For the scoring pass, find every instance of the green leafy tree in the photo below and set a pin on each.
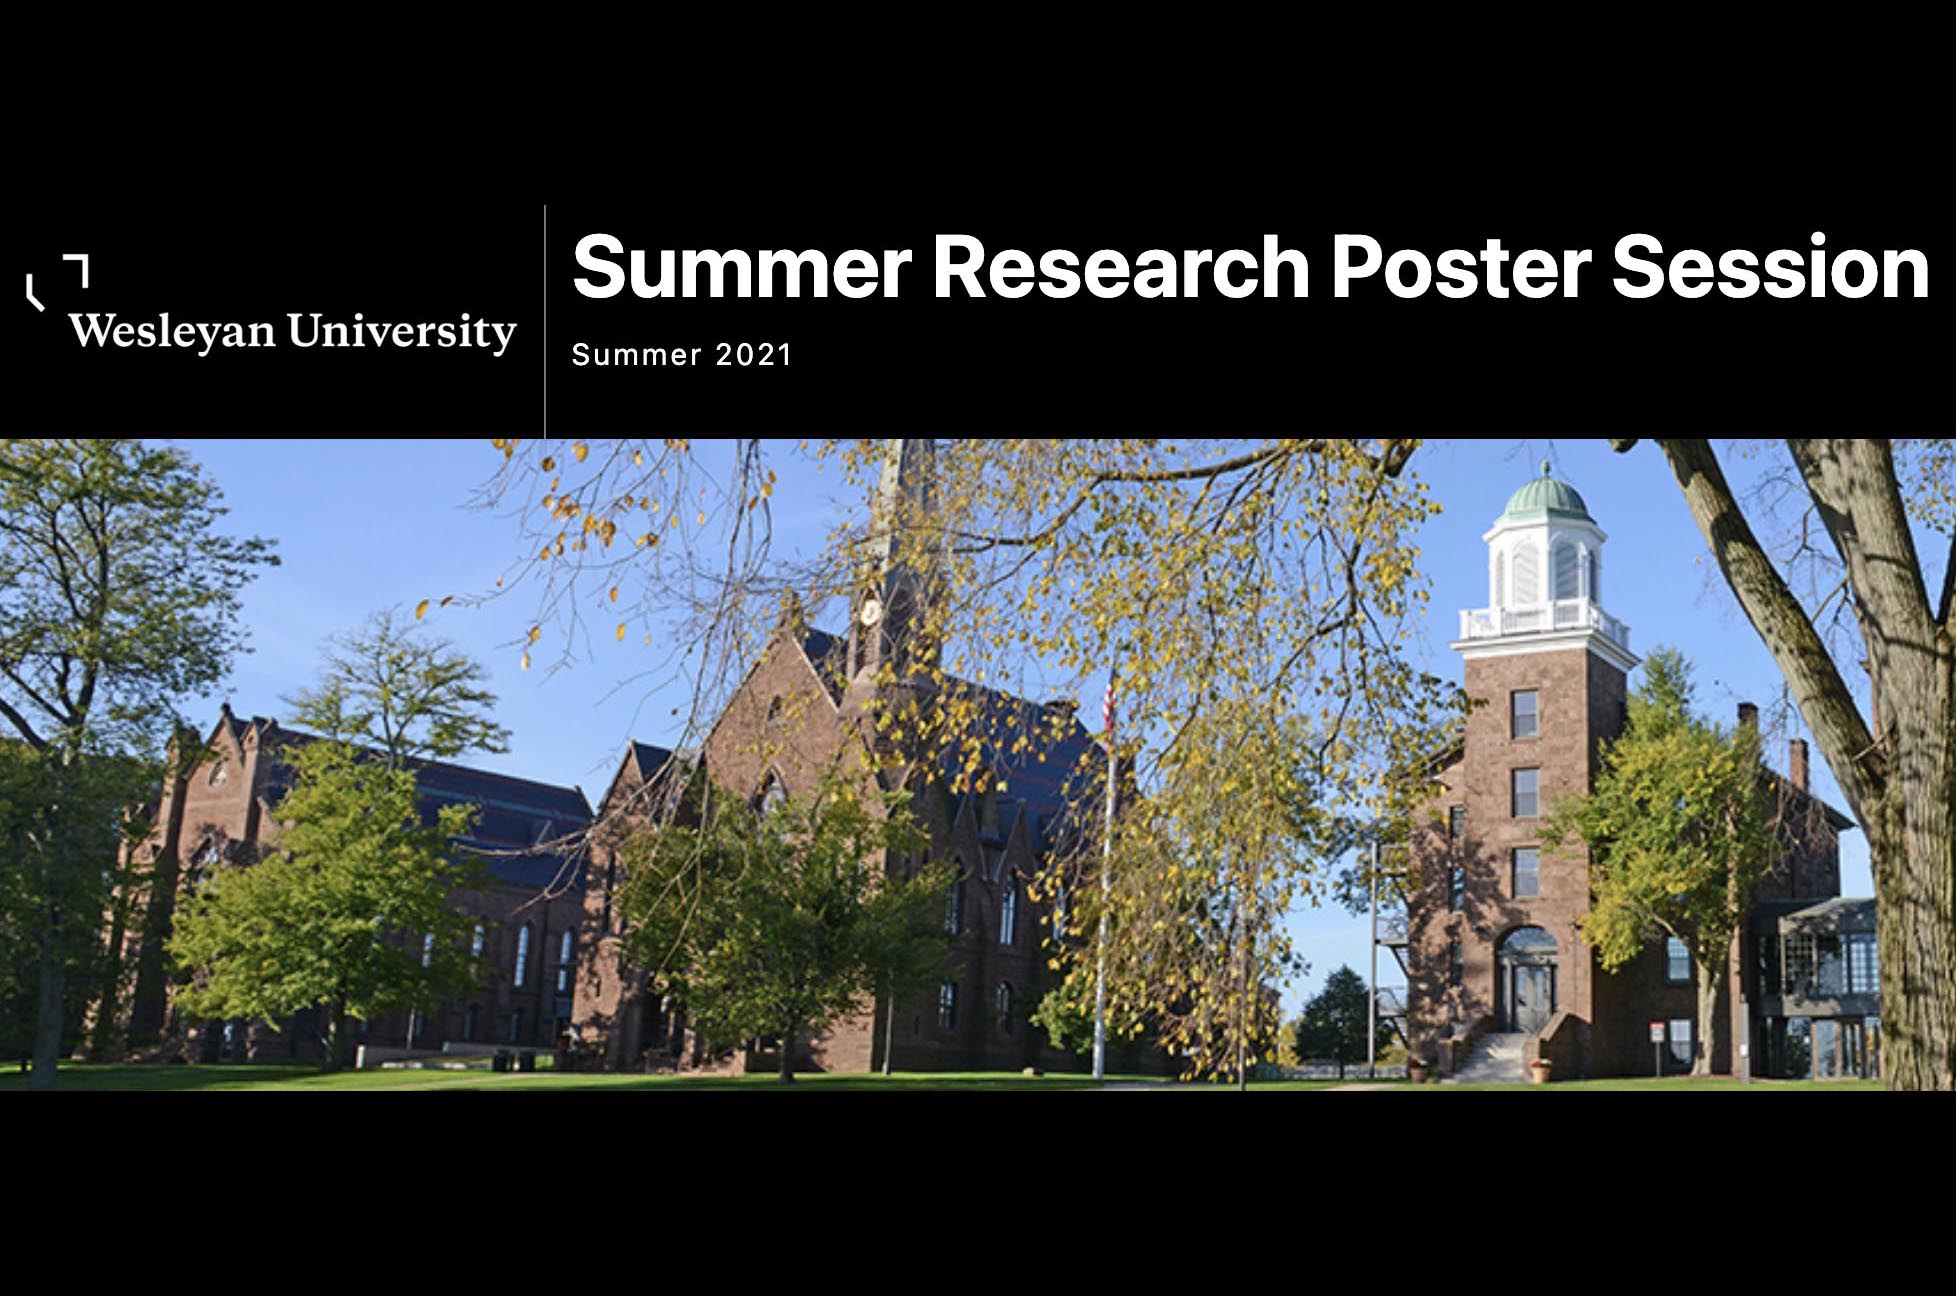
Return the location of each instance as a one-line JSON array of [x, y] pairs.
[[779, 924], [1679, 831], [389, 688], [118, 599], [1334, 1025], [350, 914]]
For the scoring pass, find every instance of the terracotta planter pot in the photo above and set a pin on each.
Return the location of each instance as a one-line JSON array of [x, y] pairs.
[[1540, 1072], [1420, 1075]]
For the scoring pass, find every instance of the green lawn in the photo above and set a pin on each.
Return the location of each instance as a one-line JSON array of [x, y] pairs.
[[92, 1079], [250, 1079]]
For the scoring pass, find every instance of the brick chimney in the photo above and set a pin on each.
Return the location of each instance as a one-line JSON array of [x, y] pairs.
[[1800, 766], [1749, 716]]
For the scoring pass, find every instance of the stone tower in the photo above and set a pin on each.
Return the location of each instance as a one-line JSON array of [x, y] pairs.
[[892, 592], [1494, 924]]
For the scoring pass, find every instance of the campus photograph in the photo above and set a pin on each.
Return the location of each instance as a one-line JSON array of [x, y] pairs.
[[959, 765]]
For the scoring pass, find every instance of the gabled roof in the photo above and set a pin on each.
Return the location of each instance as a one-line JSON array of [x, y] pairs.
[[1838, 820]]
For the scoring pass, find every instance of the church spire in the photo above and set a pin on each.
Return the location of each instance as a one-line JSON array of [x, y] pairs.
[[906, 491]]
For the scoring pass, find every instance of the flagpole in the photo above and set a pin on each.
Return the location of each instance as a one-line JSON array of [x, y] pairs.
[[1106, 891]]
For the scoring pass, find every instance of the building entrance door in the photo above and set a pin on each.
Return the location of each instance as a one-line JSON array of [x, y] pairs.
[[1528, 981], [1534, 999]]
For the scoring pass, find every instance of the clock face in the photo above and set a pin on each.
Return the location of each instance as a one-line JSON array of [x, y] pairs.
[[872, 613]]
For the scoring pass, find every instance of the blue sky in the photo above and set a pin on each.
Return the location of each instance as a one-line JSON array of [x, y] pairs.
[[363, 525]]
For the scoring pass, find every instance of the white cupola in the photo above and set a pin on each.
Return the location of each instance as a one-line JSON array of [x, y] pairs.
[[1545, 579]]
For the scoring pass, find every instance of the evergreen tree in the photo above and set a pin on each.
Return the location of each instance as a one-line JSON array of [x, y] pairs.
[[1334, 1024]]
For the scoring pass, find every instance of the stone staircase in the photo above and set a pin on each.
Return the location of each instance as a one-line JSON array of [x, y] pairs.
[[1498, 1059]]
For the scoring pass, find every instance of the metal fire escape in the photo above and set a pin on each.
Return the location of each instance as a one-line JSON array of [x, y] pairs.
[[1391, 931]]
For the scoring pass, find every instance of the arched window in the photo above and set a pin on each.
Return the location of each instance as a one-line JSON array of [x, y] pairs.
[[774, 797], [566, 956], [1528, 575], [1008, 915], [523, 940], [1568, 572]]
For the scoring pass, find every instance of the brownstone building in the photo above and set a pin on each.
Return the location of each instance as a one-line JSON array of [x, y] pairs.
[[808, 707], [224, 814], [1498, 971]]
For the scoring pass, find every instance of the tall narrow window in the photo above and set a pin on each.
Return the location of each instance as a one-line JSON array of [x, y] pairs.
[[428, 950], [947, 1008], [566, 957], [1059, 914], [516, 1027], [1528, 874], [1528, 794], [1500, 580], [1008, 917], [954, 909], [472, 1024], [479, 942], [1457, 825], [1863, 964], [523, 957], [1677, 956], [1456, 889], [1528, 714], [1003, 1005], [1456, 964]]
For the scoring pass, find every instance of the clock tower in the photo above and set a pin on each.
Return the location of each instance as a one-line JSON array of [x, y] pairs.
[[888, 622]]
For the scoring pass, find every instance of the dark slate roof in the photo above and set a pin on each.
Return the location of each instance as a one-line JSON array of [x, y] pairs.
[[829, 654], [1044, 792], [649, 760], [515, 816]]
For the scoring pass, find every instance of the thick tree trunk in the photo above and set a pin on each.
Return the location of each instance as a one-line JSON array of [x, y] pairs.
[[1899, 773], [339, 1040], [49, 1022], [1713, 980], [1913, 870]]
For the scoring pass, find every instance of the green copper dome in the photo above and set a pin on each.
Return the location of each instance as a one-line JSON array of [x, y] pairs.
[[1546, 495]]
